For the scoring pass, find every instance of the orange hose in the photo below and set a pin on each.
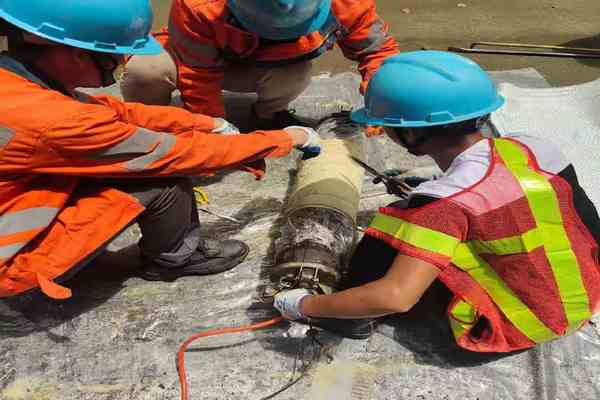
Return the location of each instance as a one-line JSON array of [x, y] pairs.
[[214, 332]]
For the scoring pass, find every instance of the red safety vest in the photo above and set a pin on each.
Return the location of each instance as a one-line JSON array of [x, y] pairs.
[[512, 249]]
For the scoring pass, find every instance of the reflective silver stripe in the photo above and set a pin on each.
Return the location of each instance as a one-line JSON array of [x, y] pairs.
[[6, 135], [26, 220], [166, 143], [145, 145], [204, 55], [138, 143], [376, 38], [10, 250]]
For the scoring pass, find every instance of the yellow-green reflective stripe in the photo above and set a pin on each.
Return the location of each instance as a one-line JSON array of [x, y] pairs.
[[551, 232], [518, 244], [415, 235], [509, 303], [463, 312]]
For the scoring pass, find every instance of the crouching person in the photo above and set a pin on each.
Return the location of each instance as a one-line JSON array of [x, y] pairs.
[[76, 170], [507, 228]]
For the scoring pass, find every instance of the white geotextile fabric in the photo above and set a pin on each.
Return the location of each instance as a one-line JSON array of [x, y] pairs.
[[568, 116], [116, 339]]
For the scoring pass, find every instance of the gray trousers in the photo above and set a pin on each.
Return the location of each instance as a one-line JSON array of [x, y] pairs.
[[170, 225]]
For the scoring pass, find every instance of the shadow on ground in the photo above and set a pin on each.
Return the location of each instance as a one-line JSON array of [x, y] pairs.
[[592, 42], [426, 333], [92, 287]]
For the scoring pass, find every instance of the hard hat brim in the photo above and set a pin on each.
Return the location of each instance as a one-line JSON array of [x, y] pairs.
[[149, 47], [264, 30], [362, 116]]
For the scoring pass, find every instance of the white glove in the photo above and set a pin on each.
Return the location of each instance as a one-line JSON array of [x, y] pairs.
[[312, 147], [225, 127], [288, 303]]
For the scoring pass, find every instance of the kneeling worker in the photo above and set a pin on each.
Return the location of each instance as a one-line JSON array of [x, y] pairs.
[[507, 228], [261, 46], [76, 170]]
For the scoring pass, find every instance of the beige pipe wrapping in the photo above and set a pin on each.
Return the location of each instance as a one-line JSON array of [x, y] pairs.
[[332, 180]]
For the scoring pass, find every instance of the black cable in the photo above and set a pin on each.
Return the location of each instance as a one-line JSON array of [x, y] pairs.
[[315, 356]]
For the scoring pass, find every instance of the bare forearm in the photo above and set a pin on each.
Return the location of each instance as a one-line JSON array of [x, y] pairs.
[[398, 291], [368, 301]]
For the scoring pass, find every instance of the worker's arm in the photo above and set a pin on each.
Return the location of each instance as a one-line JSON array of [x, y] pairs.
[[425, 237], [399, 290], [367, 39], [157, 118], [91, 140], [200, 66]]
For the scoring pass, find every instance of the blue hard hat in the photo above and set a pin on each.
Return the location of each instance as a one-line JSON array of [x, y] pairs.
[[427, 88], [281, 19], [110, 26]]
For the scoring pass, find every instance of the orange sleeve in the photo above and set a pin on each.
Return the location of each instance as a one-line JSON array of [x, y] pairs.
[[157, 118], [199, 63], [367, 39], [93, 141]]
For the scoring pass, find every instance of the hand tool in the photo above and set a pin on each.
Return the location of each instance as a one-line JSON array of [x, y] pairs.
[[394, 186]]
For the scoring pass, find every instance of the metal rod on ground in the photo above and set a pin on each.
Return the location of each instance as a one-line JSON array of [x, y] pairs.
[[204, 210], [523, 53], [536, 46], [571, 52]]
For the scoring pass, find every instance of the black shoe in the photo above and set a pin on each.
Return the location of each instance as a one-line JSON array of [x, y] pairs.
[[280, 120], [212, 257], [358, 329]]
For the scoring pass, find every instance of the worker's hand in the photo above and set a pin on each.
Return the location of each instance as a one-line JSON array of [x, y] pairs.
[[412, 177], [390, 173], [306, 140], [289, 303], [225, 127]]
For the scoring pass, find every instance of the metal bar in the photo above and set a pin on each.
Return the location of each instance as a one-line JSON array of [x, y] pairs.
[[536, 46], [204, 210], [524, 53]]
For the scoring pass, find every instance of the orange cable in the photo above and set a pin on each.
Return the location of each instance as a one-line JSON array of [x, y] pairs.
[[214, 332]]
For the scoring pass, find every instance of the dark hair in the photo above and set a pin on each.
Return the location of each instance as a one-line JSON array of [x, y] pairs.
[[457, 129], [449, 130]]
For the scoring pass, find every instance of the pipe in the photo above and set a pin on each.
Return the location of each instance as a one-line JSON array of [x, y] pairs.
[[320, 213]]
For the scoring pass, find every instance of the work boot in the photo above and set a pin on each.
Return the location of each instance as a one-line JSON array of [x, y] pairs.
[[358, 329], [279, 120], [211, 257]]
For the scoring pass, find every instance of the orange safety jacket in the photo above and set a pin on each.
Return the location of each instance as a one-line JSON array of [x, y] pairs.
[[202, 39], [522, 265], [48, 141]]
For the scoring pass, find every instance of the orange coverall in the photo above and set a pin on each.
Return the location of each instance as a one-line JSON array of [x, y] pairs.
[[49, 141], [202, 38]]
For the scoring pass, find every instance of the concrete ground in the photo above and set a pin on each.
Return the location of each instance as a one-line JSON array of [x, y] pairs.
[[438, 24], [117, 337]]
